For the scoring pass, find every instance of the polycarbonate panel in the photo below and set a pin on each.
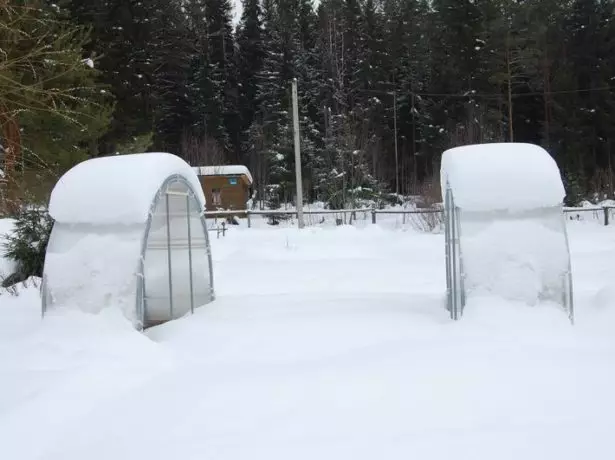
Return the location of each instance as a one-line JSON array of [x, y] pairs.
[[201, 258], [521, 256], [180, 269], [156, 268], [92, 267]]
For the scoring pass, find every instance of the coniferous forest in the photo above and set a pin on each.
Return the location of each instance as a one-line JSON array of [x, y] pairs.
[[385, 86]]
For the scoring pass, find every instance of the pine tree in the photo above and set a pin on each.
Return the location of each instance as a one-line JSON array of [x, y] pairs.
[[384, 85], [506, 54], [585, 135], [205, 87], [272, 118], [223, 72], [120, 45], [27, 245], [169, 53], [51, 106], [250, 63], [411, 73], [307, 70], [458, 27]]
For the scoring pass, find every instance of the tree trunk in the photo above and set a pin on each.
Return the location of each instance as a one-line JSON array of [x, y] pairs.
[[547, 107], [415, 165], [608, 152], [511, 137], [11, 137]]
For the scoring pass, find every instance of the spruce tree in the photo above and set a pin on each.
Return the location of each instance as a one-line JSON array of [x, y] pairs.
[[205, 87], [250, 62], [52, 108], [121, 37], [456, 43], [223, 72], [169, 54]]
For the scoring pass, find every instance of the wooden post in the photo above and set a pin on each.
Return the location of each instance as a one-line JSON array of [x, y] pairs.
[[395, 131], [298, 178]]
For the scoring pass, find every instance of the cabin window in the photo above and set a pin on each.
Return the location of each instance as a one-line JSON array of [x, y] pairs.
[[216, 197], [232, 180]]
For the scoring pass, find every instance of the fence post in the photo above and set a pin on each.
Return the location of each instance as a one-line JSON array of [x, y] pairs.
[[373, 215], [606, 215], [249, 220]]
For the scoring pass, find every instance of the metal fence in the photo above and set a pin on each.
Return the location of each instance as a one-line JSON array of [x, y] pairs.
[[429, 217], [345, 216], [603, 213]]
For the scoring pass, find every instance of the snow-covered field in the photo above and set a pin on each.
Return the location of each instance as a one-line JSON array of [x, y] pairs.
[[323, 344]]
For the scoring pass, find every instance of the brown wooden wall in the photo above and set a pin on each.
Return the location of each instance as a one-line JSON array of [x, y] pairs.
[[234, 197]]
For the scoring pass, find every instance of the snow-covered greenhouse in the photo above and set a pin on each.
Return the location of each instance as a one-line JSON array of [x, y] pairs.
[[505, 226], [129, 233]]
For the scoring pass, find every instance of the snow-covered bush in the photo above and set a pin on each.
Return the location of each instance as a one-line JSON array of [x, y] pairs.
[[574, 189], [28, 243], [427, 221]]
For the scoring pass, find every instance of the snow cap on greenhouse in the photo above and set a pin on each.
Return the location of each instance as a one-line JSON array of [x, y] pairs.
[[501, 176], [117, 189]]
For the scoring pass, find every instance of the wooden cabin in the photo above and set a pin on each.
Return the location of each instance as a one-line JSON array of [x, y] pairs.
[[226, 187]]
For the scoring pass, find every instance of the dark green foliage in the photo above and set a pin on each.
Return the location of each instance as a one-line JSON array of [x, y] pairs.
[[28, 243], [47, 85], [170, 57], [574, 190], [397, 81], [250, 63], [121, 44]]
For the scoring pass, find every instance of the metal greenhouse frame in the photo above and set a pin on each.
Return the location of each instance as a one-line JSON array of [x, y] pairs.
[[454, 271], [455, 274], [164, 194], [554, 282], [167, 271]]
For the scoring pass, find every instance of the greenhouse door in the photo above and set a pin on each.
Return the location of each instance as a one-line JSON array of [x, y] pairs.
[[168, 267]]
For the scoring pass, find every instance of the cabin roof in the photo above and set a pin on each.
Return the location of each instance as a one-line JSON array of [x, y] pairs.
[[223, 170]]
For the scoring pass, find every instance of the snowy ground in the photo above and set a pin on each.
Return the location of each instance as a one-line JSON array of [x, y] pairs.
[[323, 344]]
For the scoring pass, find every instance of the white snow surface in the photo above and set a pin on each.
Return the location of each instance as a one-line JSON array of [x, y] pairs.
[[117, 189], [511, 176], [223, 170], [323, 344], [91, 270], [520, 260]]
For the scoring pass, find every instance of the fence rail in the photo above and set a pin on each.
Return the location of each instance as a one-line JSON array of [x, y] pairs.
[[605, 210], [602, 212]]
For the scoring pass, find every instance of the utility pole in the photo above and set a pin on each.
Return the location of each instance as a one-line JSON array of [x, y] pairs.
[[395, 129], [298, 178], [414, 158], [611, 185]]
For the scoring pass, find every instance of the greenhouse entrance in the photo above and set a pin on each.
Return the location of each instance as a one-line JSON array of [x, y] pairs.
[[505, 229], [176, 241]]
